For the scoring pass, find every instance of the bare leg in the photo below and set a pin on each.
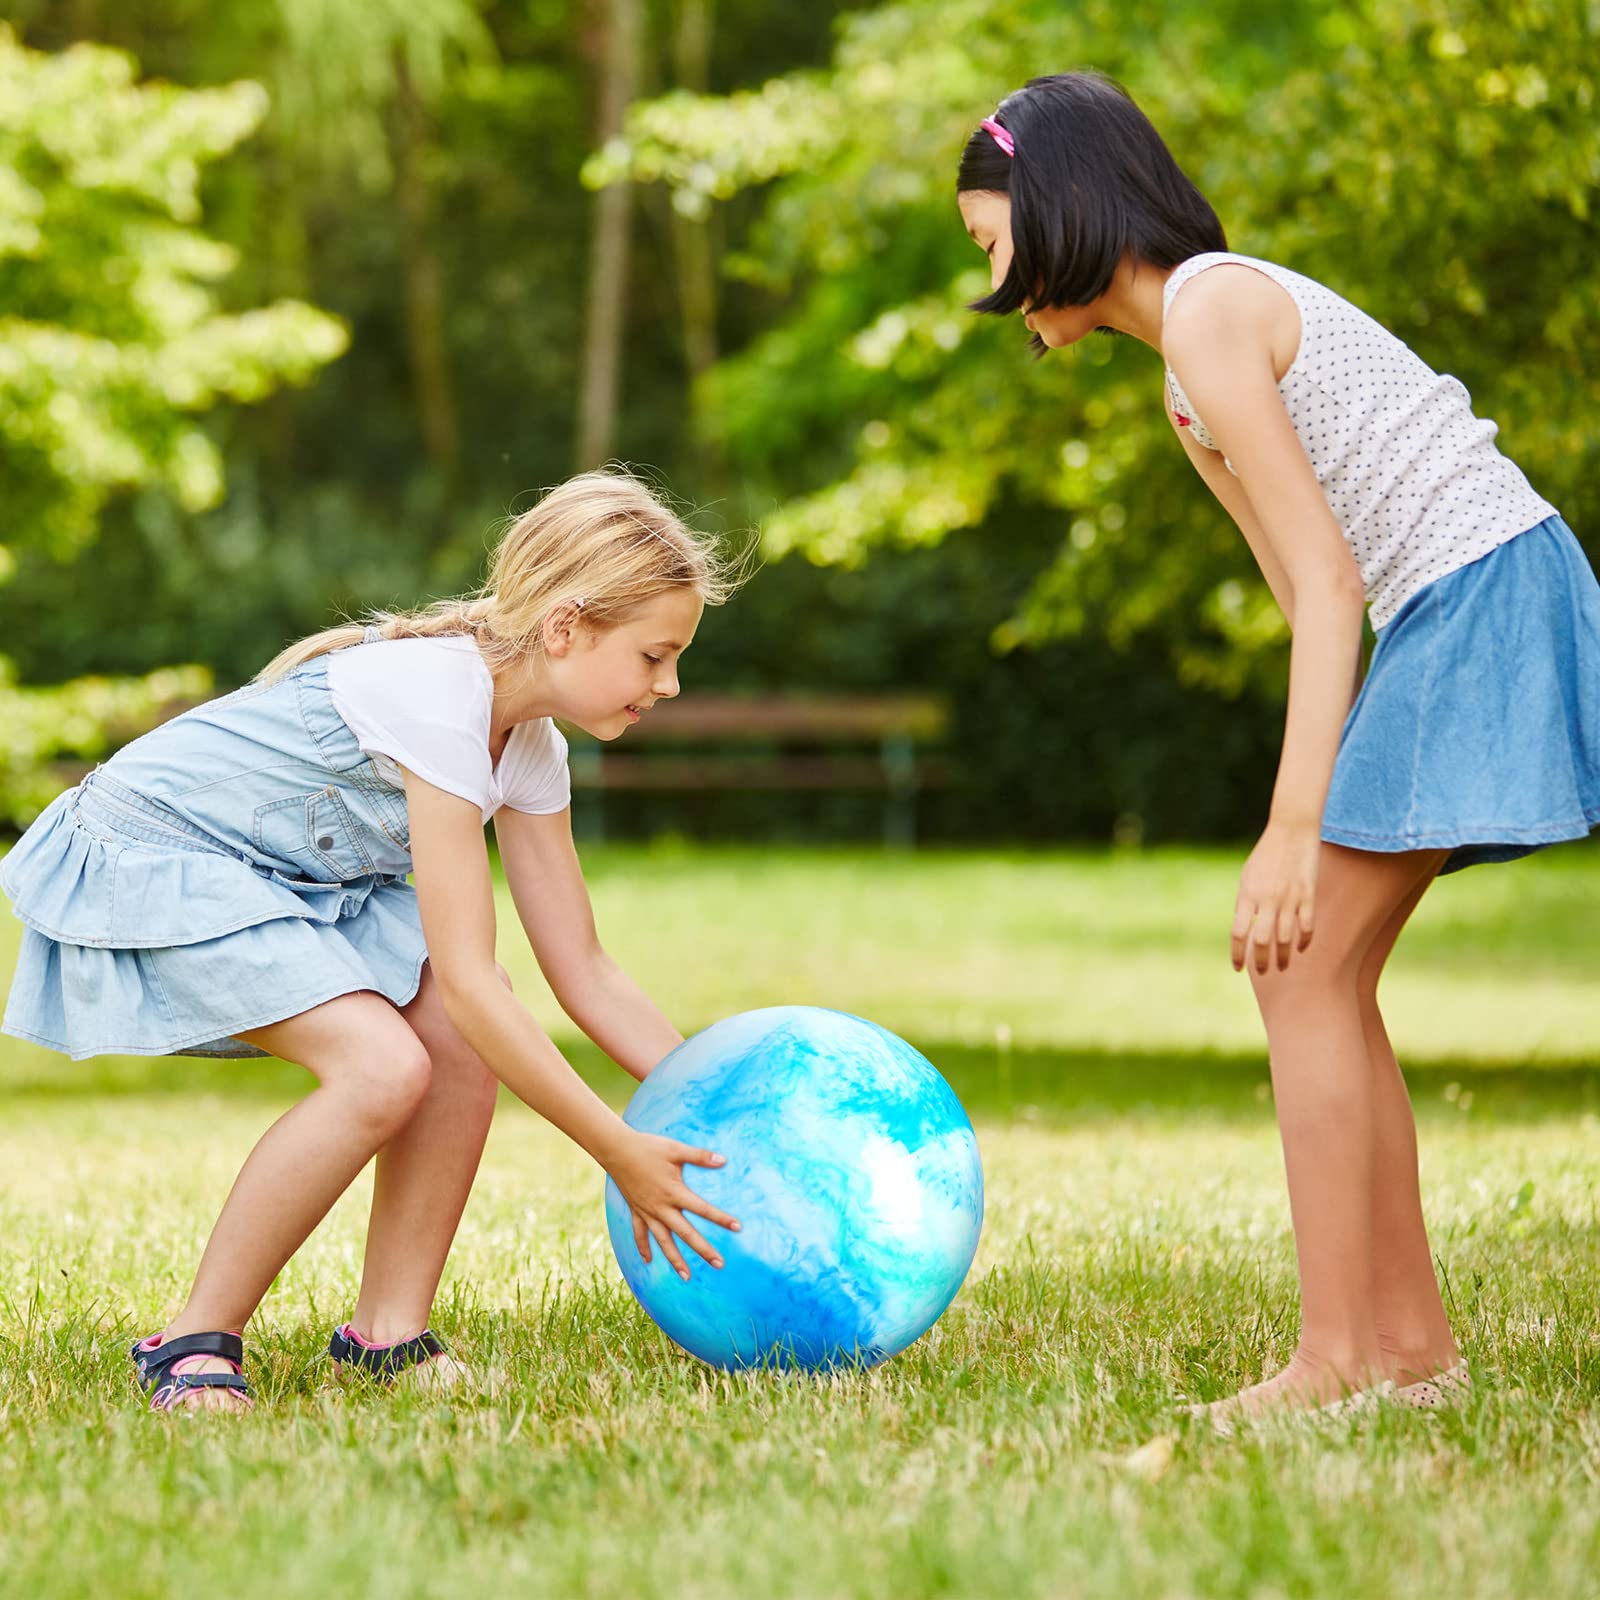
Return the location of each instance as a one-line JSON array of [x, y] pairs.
[[373, 1072], [424, 1175], [1328, 1109], [1413, 1330]]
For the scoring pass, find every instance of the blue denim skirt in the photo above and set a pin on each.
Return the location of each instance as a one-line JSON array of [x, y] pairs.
[[1477, 730], [235, 867]]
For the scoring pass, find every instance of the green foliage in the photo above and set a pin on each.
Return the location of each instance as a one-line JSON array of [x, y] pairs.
[[1023, 539], [332, 504], [113, 342], [339, 63], [113, 339], [1436, 160], [49, 736]]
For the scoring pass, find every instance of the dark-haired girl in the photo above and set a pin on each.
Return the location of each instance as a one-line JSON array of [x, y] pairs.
[[1359, 477]]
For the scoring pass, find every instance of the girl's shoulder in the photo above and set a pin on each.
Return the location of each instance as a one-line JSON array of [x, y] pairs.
[[1251, 280], [444, 651], [426, 704], [444, 675], [533, 768], [539, 739], [1235, 301]]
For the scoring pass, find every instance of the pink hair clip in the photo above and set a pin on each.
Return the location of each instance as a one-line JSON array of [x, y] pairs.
[[1000, 136]]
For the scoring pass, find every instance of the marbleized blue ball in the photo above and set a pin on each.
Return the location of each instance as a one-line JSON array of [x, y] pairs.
[[853, 1170]]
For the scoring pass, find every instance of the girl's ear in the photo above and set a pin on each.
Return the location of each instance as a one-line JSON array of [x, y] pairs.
[[561, 625]]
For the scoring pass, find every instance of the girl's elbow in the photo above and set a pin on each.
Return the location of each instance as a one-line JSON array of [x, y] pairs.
[[464, 994], [577, 976], [1339, 589]]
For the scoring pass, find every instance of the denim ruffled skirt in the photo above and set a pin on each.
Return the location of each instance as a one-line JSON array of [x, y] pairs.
[[1477, 729], [235, 867]]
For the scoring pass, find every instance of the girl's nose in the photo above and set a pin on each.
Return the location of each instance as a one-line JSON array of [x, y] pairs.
[[666, 686]]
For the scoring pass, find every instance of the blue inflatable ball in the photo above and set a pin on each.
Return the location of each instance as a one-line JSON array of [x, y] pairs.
[[853, 1171]]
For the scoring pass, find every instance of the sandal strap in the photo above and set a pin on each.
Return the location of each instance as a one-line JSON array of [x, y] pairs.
[[153, 1365], [386, 1360], [170, 1391]]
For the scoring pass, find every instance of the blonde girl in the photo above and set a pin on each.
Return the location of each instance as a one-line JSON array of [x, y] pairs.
[[234, 884]]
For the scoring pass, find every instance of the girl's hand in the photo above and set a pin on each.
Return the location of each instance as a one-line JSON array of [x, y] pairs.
[[1275, 912], [649, 1171]]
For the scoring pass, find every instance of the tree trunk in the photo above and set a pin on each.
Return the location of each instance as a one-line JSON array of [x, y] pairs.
[[618, 85], [430, 363], [691, 236], [82, 20]]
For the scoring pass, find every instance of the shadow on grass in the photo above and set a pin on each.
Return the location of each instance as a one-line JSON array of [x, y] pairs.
[[1056, 1088], [1068, 1087]]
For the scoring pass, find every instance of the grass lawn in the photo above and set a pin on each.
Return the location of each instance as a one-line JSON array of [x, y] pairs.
[[1136, 1251]]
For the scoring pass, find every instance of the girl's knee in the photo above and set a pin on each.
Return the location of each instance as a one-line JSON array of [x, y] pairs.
[[1276, 989], [1302, 994], [411, 1077], [388, 1083]]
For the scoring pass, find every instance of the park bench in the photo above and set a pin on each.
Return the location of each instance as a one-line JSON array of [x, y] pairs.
[[783, 743]]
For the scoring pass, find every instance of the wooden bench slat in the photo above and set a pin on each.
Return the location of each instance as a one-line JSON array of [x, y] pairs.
[[621, 771], [916, 717], [799, 732]]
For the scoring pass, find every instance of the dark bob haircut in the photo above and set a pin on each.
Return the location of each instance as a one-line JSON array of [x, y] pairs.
[[1091, 182]]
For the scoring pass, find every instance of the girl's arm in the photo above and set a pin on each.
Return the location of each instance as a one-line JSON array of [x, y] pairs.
[[456, 894], [553, 902], [1232, 498], [1218, 341]]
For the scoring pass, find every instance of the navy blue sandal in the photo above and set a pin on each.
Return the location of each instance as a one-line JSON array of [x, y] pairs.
[[167, 1389], [385, 1362]]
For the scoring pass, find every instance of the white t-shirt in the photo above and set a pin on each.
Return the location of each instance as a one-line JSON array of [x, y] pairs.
[[426, 704], [1411, 474]]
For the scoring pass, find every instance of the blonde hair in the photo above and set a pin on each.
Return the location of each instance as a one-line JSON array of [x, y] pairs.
[[601, 542]]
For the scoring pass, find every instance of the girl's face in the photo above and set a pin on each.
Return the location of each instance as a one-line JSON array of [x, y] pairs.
[[987, 215], [605, 679]]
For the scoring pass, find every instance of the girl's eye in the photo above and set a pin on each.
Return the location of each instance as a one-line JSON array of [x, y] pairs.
[[655, 661]]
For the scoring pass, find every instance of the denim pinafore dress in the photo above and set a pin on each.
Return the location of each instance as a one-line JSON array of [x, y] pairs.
[[234, 867]]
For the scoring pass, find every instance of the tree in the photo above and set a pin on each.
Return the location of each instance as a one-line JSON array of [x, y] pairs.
[[617, 49], [113, 341], [359, 77], [1437, 160], [336, 501], [691, 233]]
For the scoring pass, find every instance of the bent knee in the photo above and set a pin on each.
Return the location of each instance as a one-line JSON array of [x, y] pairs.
[[388, 1083], [410, 1073], [1302, 991]]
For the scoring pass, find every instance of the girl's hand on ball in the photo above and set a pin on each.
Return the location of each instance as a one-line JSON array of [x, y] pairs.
[[1275, 911], [649, 1171]]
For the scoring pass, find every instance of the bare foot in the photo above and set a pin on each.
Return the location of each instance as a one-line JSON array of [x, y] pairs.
[[1448, 1388], [1413, 1366], [1304, 1386]]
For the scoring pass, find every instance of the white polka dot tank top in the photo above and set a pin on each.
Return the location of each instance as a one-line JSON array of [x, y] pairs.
[[1413, 477]]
